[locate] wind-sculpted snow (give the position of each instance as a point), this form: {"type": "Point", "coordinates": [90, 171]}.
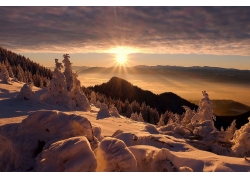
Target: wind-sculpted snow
{"type": "Point", "coordinates": [52, 140]}
{"type": "Point", "coordinates": [113, 156]}
{"type": "Point", "coordinates": [9, 158]}
{"type": "Point", "coordinates": [69, 155]}
{"type": "Point", "coordinates": [46, 127]}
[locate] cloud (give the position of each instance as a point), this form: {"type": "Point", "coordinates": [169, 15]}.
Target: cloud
{"type": "Point", "coordinates": [169, 30]}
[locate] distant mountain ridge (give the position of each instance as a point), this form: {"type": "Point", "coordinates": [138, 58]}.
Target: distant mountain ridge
{"type": "Point", "coordinates": [211, 74]}
{"type": "Point", "coordinates": [118, 88]}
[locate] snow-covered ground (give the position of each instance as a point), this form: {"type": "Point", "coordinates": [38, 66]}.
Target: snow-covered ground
{"type": "Point", "coordinates": [36, 136]}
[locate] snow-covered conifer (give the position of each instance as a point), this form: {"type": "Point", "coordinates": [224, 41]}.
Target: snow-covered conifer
{"type": "Point", "coordinates": [57, 92]}
{"type": "Point", "coordinates": [4, 74]}
{"type": "Point", "coordinates": [103, 112]}
{"type": "Point", "coordinates": [93, 97]}
{"type": "Point", "coordinates": [134, 116]}
{"type": "Point", "coordinates": [10, 72]}
{"type": "Point", "coordinates": [68, 72]}
{"type": "Point", "coordinates": [140, 118]}
{"type": "Point", "coordinates": [205, 111]}
{"type": "Point", "coordinates": [113, 111]}
{"type": "Point", "coordinates": [188, 115]}
{"type": "Point", "coordinates": [161, 121]}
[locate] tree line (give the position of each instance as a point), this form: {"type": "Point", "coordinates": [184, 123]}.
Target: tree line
{"type": "Point", "coordinates": [23, 69]}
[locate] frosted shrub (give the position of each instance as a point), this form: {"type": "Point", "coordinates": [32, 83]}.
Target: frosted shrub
{"type": "Point", "coordinates": [241, 141]}
{"type": "Point", "coordinates": [26, 92]}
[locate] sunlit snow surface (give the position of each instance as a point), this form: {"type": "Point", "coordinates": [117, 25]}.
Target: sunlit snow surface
{"type": "Point", "coordinates": [35, 136]}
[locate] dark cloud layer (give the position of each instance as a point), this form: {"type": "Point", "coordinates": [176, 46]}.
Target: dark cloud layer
{"type": "Point", "coordinates": [208, 30]}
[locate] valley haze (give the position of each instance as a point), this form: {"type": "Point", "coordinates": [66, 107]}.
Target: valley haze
{"type": "Point", "coordinates": [187, 82]}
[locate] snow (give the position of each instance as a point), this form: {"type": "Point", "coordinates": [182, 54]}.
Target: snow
{"type": "Point", "coordinates": [37, 136]}
{"type": "Point", "coordinates": [113, 156]}
{"type": "Point", "coordinates": [69, 155]}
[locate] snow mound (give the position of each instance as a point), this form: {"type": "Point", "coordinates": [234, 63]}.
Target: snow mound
{"type": "Point", "coordinates": [113, 156]}
{"type": "Point", "coordinates": [161, 162]}
{"type": "Point", "coordinates": [103, 112]}
{"type": "Point", "coordinates": [47, 124]}
{"type": "Point", "coordinates": [45, 127]}
{"type": "Point", "coordinates": [69, 155]}
{"type": "Point", "coordinates": [26, 92]}
{"type": "Point", "coordinates": [9, 160]}
{"type": "Point", "coordinates": [151, 129]}
{"type": "Point", "coordinates": [119, 131]}
{"type": "Point", "coordinates": [144, 156]}
{"type": "Point", "coordinates": [114, 112]}
{"type": "Point", "coordinates": [98, 133]}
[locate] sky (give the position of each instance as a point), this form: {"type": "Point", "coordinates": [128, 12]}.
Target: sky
{"type": "Point", "coordinates": [148, 35]}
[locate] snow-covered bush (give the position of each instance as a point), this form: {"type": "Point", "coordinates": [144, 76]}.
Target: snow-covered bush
{"type": "Point", "coordinates": [241, 141]}
{"type": "Point", "coordinates": [26, 92]}
{"type": "Point", "coordinates": [114, 112]}
{"type": "Point", "coordinates": [68, 155]}
{"type": "Point", "coordinates": [103, 112]}
{"type": "Point", "coordinates": [134, 116]}
{"type": "Point", "coordinates": [113, 156]}
{"type": "Point", "coordinates": [98, 104]}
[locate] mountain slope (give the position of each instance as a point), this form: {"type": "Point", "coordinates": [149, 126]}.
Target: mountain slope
{"type": "Point", "coordinates": [30, 71]}
{"type": "Point", "coordinates": [118, 88]}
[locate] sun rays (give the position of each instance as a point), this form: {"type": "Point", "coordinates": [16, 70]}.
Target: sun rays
{"type": "Point", "coordinates": [122, 53]}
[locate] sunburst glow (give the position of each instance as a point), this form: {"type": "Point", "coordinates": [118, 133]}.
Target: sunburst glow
{"type": "Point", "coordinates": [122, 54]}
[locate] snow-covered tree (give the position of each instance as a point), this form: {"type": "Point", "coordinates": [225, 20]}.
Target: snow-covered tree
{"type": "Point", "coordinates": [203, 120]}
{"type": "Point", "coordinates": [103, 112]}
{"type": "Point", "coordinates": [68, 72]}
{"type": "Point", "coordinates": [241, 138]}
{"type": "Point", "coordinates": [98, 104]}
{"type": "Point", "coordinates": [93, 97]}
{"type": "Point", "coordinates": [20, 74]}
{"type": "Point", "coordinates": [140, 118]}
{"type": "Point", "coordinates": [26, 92]}
{"type": "Point", "coordinates": [188, 115]}
{"type": "Point", "coordinates": [134, 116]}
{"type": "Point", "coordinates": [113, 111]}
{"type": "Point", "coordinates": [57, 90]}
{"type": "Point", "coordinates": [161, 121]}
{"type": "Point", "coordinates": [205, 110]}
{"type": "Point", "coordinates": [10, 72]}
{"type": "Point", "coordinates": [129, 111]}
{"type": "Point", "coordinates": [66, 90]}
{"type": "Point", "coordinates": [4, 74]}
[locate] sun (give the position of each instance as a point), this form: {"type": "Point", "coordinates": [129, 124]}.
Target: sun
{"type": "Point", "coordinates": [121, 54]}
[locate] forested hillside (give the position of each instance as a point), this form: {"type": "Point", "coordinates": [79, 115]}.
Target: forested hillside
{"type": "Point", "coordinates": [24, 69]}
